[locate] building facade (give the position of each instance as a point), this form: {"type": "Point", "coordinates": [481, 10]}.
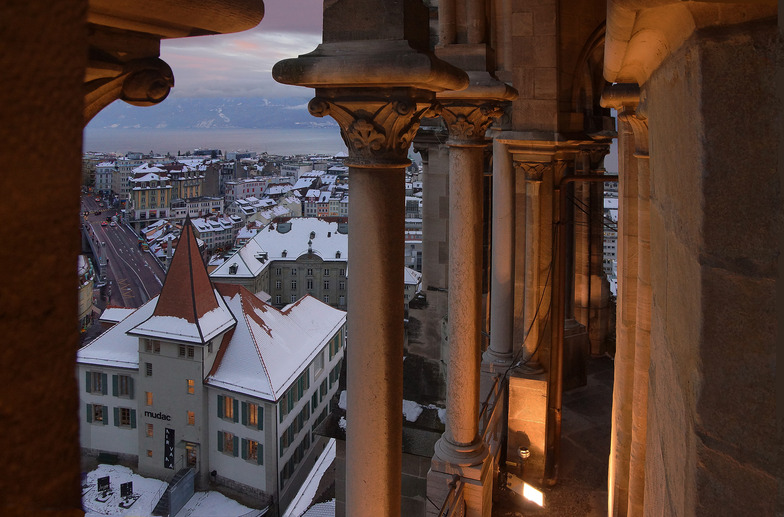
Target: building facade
{"type": "Point", "coordinates": [234, 393]}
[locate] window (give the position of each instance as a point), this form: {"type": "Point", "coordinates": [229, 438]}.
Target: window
{"type": "Point", "coordinates": [323, 389]}
{"type": "Point", "coordinates": [122, 386]}
{"type": "Point", "coordinates": [314, 401]}
{"type": "Point", "coordinates": [191, 418]}
{"type": "Point", "coordinates": [293, 298]}
{"type": "Point", "coordinates": [278, 299]}
{"type": "Point", "coordinates": [326, 284]}
{"type": "Point", "coordinates": [293, 284]}
{"type": "Point", "coordinates": [318, 364]}
{"type": "Point", "coordinates": [252, 451]}
{"type": "Point", "coordinates": [148, 397]}
{"type": "Point", "coordinates": [278, 271]}
{"type": "Point", "coordinates": [342, 272]}
{"type": "Point", "coordinates": [228, 408]}
{"type": "Point", "coordinates": [293, 271]}
{"type": "Point", "coordinates": [95, 382]}
{"type": "Point", "coordinates": [326, 272]}
{"type": "Point", "coordinates": [191, 386]}
{"type": "Point", "coordinates": [253, 415]}
{"type": "Point", "coordinates": [209, 347]}
{"type": "Point", "coordinates": [278, 284]}
{"type": "Point", "coordinates": [186, 351]}
{"type": "Point", "coordinates": [125, 417]}
{"type": "Point", "coordinates": [191, 352]}
{"type": "Point", "coordinates": [152, 346]}
{"type": "Point", "coordinates": [310, 272]}
{"type": "Point", "coordinates": [228, 443]}
{"type": "Point", "coordinates": [148, 369]}
{"type": "Point", "coordinates": [326, 298]}
{"type": "Point", "coordinates": [96, 414]}
{"type": "Point", "coordinates": [342, 285]}
{"type": "Point", "coordinates": [341, 300]}
{"type": "Point", "coordinates": [309, 283]}
{"type": "Point", "coordinates": [149, 453]}
{"type": "Point", "coordinates": [149, 430]}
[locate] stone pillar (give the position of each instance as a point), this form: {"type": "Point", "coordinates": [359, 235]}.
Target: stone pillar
{"type": "Point", "coordinates": [638, 126]}
{"type": "Point", "coordinates": [378, 133]}
{"type": "Point", "coordinates": [376, 77]}
{"type": "Point", "coordinates": [499, 354]}
{"type": "Point", "coordinates": [538, 275]}
{"type": "Point", "coordinates": [626, 312]}
{"type": "Point", "coordinates": [461, 450]}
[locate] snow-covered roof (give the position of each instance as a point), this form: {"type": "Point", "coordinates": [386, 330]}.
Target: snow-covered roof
{"type": "Point", "coordinates": [292, 238]}
{"type": "Point", "coordinates": [174, 328]}
{"type": "Point", "coordinates": [114, 347]}
{"type": "Point", "coordinates": [269, 348]}
{"type": "Point", "coordinates": [412, 277]}
{"type": "Point", "coordinates": [115, 314]}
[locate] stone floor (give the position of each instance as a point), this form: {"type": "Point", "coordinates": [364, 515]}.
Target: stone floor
{"type": "Point", "coordinates": [585, 449]}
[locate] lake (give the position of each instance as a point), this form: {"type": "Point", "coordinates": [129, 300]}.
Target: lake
{"type": "Point", "coordinates": [272, 141]}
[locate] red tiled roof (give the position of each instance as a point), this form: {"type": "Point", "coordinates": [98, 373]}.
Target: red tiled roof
{"type": "Point", "coordinates": [187, 292]}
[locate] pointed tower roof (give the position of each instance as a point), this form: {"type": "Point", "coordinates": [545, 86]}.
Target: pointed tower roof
{"type": "Point", "coordinates": [188, 308]}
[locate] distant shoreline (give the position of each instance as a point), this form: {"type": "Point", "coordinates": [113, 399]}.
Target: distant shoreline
{"type": "Point", "coordinates": [273, 141]}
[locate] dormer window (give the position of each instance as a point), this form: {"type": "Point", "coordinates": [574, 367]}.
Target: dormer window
{"type": "Point", "coordinates": [233, 269]}
{"type": "Point", "coordinates": [337, 254]}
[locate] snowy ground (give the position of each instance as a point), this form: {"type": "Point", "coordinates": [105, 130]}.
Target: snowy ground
{"type": "Point", "coordinates": [202, 504]}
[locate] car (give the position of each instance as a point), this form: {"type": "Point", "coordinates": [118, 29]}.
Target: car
{"type": "Point", "coordinates": [97, 212]}
{"type": "Point", "coordinates": [104, 223]}
{"type": "Point", "coordinates": [112, 224]}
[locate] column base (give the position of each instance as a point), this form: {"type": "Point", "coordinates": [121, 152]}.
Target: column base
{"type": "Point", "coordinates": [473, 466]}
{"type": "Point", "coordinates": [493, 366]}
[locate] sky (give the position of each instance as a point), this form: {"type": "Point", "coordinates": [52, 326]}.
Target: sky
{"type": "Point", "coordinates": [240, 64]}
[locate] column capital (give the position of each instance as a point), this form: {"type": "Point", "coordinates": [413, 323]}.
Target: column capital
{"type": "Point", "coordinates": [533, 171]}
{"type": "Point", "coordinates": [377, 129]}
{"type": "Point", "coordinates": [468, 121]}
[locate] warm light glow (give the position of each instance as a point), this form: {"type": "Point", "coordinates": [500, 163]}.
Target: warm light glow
{"type": "Point", "coordinates": [532, 494]}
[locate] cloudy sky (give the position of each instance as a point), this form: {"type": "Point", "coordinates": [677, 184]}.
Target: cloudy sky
{"type": "Point", "coordinates": [240, 65]}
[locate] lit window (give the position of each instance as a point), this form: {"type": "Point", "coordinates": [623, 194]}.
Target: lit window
{"type": "Point", "coordinates": [149, 453]}
{"type": "Point", "coordinates": [252, 451]}
{"type": "Point", "coordinates": [148, 396]}
{"type": "Point", "coordinates": [191, 386]}
{"type": "Point", "coordinates": [228, 443]}
{"type": "Point", "coordinates": [191, 418]}
{"type": "Point", "coordinates": [228, 407]}
{"type": "Point", "coordinates": [149, 430]}
{"type": "Point", "coordinates": [99, 414]}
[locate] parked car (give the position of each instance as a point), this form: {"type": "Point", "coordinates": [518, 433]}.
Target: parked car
{"type": "Point", "coordinates": [104, 223]}
{"type": "Point", "coordinates": [112, 224]}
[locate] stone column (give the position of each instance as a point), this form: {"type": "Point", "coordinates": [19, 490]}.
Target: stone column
{"type": "Point", "coordinates": [375, 76]}
{"type": "Point", "coordinates": [619, 96]}
{"type": "Point", "coordinates": [378, 133]}
{"type": "Point", "coordinates": [499, 354]}
{"type": "Point", "coordinates": [460, 450]}
{"type": "Point", "coordinates": [631, 120]}
{"type": "Point", "coordinates": [538, 244]}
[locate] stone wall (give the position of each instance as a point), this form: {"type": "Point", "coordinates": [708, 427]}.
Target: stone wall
{"type": "Point", "coordinates": [715, 208]}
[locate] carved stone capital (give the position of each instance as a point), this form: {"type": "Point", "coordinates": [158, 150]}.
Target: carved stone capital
{"type": "Point", "coordinates": [533, 171]}
{"type": "Point", "coordinates": [377, 131]}
{"type": "Point", "coordinates": [467, 122]}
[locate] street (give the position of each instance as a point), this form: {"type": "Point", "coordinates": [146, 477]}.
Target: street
{"type": "Point", "coordinates": [133, 276]}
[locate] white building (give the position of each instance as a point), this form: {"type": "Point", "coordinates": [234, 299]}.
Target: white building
{"type": "Point", "coordinates": [213, 379]}
{"type": "Point", "coordinates": [104, 172]}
